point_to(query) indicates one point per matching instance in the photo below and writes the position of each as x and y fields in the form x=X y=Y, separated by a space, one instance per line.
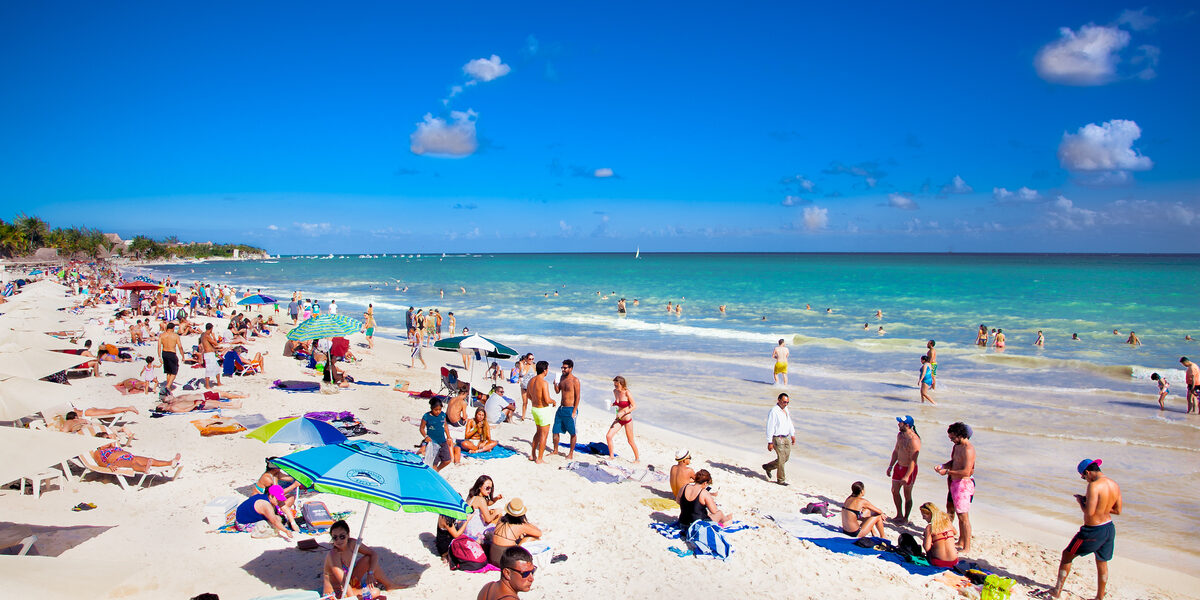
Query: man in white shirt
x=498 y=408
x=781 y=434
x=333 y=307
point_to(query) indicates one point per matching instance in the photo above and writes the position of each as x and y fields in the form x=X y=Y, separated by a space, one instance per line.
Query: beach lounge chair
x=446 y=385
x=90 y=465
x=18 y=536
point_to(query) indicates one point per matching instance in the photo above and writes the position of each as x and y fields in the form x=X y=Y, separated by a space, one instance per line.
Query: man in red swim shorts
x=903 y=466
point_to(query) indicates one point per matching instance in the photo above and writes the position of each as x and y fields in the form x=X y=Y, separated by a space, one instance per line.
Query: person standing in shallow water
x=925 y=380
x=780 y=354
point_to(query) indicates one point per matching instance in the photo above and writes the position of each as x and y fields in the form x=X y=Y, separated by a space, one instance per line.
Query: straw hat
x=515 y=508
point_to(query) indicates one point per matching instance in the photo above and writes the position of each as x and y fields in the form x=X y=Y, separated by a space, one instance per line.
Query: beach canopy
x=138 y=286
x=325 y=326
x=36 y=272
x=491 y=347
x=27 y=451
x=298 y=430
x=31 y=339
x=20 y=397
x=17 y=361
x=256 y=299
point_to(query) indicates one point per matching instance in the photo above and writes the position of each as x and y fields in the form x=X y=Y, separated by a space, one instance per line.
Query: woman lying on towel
x=204 y=401
x=939 y=537
x=859 y=517
x=696 y=503
x=479 y=434
x=366 y=567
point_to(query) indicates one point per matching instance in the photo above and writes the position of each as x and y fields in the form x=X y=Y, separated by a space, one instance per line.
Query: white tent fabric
x=21 y=397
x=27 y=451
x=17 y=361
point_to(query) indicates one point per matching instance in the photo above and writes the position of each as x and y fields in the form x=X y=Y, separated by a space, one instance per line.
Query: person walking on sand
x=780 y=354
x=932 y=354
x=1164 y=388
x=568 y=409
x=925 y=380
x=1191 y=383
x=1098 y=534
x=781 y=434
x=417 y=352
x=369 y=324
x=543 y=411
x=902 y=467
x=169 y=350
x=960 y=471
x=623 y=402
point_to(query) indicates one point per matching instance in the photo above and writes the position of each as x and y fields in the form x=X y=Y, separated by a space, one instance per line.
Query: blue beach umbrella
x=377 y=474
x=298 y=430
x=325 y=326
x=36 y=272
x=256 y=299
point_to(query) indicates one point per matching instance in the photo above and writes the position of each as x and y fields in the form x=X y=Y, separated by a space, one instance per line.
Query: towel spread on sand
x=293 y=386
x=828 y=535
x=594 y=473
x=660 y=503
x=154 y=414
x=307 y=530
x=251 y=421
x=672 y=531
x=497 y=452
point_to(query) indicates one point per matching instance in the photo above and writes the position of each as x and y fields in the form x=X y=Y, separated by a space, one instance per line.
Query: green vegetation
x=25 y=234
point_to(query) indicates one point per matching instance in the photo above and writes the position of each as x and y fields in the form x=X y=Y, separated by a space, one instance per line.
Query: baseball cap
x=276 y=492
x=1087 y=462
x=682 y=454
x=907 y=420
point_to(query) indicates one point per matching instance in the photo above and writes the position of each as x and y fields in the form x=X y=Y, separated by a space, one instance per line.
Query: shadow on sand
x=292 y=569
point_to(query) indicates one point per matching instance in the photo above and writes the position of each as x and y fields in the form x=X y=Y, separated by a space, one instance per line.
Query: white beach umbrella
x=32 y=340
x=27 y=451
x=20 y=397
x=16 y=361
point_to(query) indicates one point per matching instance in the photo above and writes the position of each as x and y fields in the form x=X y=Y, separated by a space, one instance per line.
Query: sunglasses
x=341 y=536
x=525 y=574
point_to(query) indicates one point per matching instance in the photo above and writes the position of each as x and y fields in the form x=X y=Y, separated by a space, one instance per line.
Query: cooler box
x=316 y=514
x=222 y=510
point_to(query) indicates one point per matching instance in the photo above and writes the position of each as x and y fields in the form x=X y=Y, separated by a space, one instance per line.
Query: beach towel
x=593 y=473
x=210 y=427
x=293 y=386
x=154 y=414
x=828 y=535
x=708 y=539
x=330 y=416
x=497 y=452
x=593 y=448
x=660 y=503
x=671 y=530
x=305 y=529
x=251 y=421
x=370 y=383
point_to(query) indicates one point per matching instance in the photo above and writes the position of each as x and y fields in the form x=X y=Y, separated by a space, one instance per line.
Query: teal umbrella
x=491 y=347
x=256 y=299
x=378 y=474
x=325 y=326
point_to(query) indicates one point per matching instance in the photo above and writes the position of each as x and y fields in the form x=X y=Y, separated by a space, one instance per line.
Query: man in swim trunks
x=932 y=354
x=960 y=471
x=1098 y=534
x=203 y=401
x=169 y=350
x=780 y=354
x=543 y=411
x=568 y=409
x=209 y=347
x=902 y=467
x=1191 y=383
x=621 y=306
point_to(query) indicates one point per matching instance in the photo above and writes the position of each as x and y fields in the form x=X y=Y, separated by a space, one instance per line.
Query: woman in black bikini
x=512 y=531
x=696 y=503
x=859 y=517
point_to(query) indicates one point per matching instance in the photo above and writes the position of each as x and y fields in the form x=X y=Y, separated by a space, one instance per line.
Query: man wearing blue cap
x=902 y=467
x=1098 y=534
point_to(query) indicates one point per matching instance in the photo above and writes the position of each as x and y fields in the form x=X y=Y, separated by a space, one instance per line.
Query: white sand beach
x=155 y=543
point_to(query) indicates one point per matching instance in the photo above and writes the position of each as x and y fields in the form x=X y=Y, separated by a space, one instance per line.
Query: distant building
x=115 y=240
x=236 y=252
x=46 y=254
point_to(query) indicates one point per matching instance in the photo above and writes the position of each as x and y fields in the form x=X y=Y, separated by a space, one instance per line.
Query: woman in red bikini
x=623 y=402
x=939 y=537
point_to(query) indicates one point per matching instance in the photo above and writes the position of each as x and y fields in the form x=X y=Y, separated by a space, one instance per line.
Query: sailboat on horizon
x=638 y=253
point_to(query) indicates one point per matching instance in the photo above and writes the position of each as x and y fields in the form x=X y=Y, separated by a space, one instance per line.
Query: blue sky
x=389 y=127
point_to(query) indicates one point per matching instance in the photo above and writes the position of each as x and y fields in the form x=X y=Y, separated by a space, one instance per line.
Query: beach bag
x=909 y=546
x=317 y=515
x=466 y=554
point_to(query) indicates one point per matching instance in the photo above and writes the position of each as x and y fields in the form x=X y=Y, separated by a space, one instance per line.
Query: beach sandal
x=1041 y=593
x=558 y=558
x=83 y=506
x=680 y=553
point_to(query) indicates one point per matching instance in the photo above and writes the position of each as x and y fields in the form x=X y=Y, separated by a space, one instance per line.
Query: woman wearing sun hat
x=513 y=530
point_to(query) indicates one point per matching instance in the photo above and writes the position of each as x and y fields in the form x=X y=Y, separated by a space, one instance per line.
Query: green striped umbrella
x=491 y=347
x=325 y=326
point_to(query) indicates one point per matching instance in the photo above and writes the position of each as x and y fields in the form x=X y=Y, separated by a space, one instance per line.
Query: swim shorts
x=542 y=415
x=933 y=369
x=901 y=474
x=563 y=421
x=211 y=367
x=962 y=492
x=437 y=453
x=1100 y=539
x=170 y=363
x=780 y=367
x=370 y=331
x=212 y=396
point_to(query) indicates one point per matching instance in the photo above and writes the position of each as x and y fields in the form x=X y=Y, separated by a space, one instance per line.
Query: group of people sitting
x=693 y=490
x=493 y=530
x=446 y=432
x=860 y=518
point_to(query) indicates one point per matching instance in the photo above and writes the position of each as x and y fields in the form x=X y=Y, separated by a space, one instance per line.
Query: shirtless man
x=960 y=471
x=780 y=354
x=516 y=576
x=621 y=306
x=169 y=350
x=932 y=354
x=1133 y=340
x=209 y=348
x=568 y=409
x=202 y=401
x=682 y=473
x=543 y=411
x=1098 y=534
x=902 y=467
x=1191 y=383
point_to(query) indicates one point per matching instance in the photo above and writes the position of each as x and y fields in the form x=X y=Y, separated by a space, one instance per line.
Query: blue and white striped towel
x=672 y=531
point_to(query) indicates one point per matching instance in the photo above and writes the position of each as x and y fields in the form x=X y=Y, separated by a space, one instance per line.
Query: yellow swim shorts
x=543 y=416
x=780 y=367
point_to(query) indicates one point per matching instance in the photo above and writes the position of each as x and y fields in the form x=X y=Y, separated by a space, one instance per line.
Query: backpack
x=909 y=546
x=466 y=554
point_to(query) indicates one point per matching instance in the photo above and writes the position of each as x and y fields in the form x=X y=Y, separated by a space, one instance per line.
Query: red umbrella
x=138 y=285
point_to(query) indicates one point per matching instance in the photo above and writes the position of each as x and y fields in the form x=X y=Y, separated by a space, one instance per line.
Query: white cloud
x=801 y=182
x=1104 y=151
x=564 y=227
x=472 y=234
x=1065 y=215
x=602 y=172
x=902 y=202
x=273 y=227
x=1022 y=194
x=794 y=201
x=816 y=218
x=1001 y=194
x=957 y=186
x=1086 y=57
x=312 y=228
x=1137 y=20
x=1147 y=59
x=437 y=137
x=486 y=69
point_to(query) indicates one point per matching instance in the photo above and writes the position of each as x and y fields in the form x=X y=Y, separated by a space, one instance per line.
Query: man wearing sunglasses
x=516 y=576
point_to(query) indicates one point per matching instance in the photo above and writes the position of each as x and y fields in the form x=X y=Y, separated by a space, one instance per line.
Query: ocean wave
x=1120 y=372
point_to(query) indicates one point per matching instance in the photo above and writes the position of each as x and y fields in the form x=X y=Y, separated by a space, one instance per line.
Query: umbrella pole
x=357 y=545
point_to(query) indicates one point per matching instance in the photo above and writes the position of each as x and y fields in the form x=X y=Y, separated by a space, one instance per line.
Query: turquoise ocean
x=1035 y=411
